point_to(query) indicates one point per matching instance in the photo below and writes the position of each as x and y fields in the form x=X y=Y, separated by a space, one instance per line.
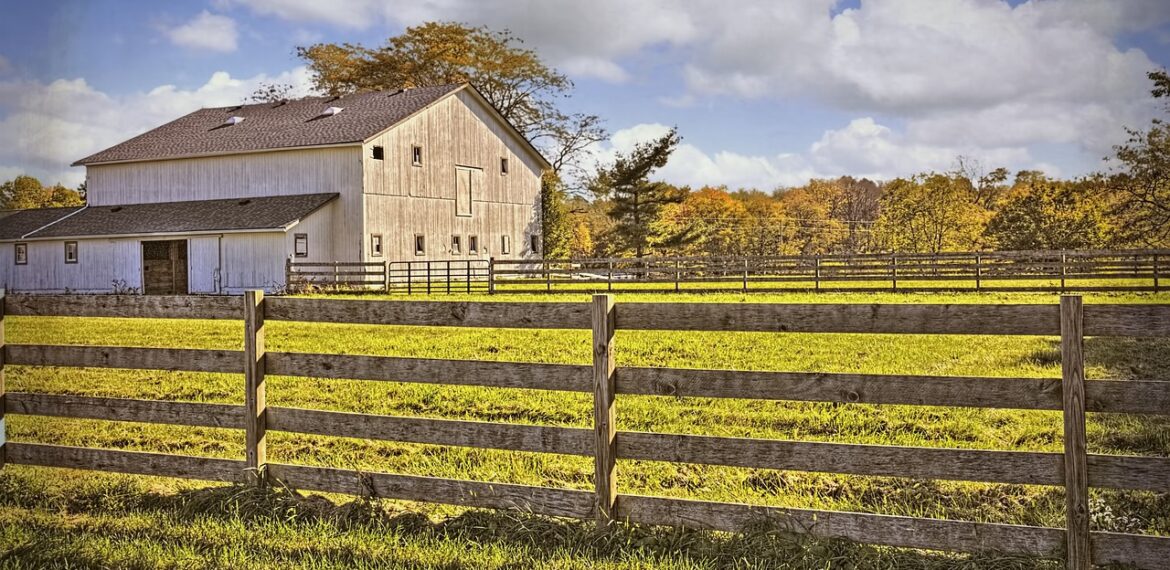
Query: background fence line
x=1074 y=469
x=996 y=271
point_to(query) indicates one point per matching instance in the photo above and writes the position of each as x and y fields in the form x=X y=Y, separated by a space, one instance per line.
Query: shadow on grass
x=536 y=539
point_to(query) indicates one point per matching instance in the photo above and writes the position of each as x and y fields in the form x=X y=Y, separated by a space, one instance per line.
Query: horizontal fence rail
x=1150 y=396
x=995 y=271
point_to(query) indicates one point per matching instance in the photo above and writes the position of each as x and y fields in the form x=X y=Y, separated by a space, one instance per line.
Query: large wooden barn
x=217 y=201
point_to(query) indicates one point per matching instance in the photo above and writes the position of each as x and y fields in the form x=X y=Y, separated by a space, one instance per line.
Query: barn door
x=466 y=180
x=164 y=267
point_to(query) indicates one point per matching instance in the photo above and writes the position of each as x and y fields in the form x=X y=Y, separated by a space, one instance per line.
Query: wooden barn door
x=164 y=267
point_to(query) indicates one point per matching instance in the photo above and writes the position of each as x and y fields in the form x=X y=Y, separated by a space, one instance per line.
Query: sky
x=765 y=93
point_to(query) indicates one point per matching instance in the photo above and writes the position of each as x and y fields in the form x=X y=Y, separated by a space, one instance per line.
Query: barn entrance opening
x=164 y=267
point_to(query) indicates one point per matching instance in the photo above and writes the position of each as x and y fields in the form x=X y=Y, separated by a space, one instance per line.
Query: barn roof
x=274 y=213
x=267 y=126
x=17 y=223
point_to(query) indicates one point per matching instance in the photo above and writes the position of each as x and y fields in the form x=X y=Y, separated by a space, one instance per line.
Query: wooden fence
x=994 y=271
x=988 y=271
x=1075 y=469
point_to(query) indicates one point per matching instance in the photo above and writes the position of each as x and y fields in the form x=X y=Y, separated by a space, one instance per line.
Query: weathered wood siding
x=216 y=263
x=99 y=263
x=282 y=173
x=402 y=199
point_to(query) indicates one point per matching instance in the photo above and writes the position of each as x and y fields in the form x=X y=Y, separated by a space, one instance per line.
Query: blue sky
x=766 y=93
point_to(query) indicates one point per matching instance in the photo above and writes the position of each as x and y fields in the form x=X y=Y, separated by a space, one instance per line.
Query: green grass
x=116 y=521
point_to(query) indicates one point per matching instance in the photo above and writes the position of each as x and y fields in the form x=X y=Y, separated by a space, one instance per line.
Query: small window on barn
x=416 y=155
x=456 y=245
x=503 y=167
x=70 y=252
x=376 y=245
x=473 y=245
x=534 y=243
x=377 y=153
x=20 y=256
x=505 y=245
x=420 y=244
x=301 y=245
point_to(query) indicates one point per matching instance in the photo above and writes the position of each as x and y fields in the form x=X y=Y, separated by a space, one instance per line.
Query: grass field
x=71 y=519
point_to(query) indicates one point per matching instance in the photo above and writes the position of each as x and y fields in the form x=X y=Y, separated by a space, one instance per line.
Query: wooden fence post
x=547 y=277
x=978 y=270
x=3 y=403
x=491 y=276
x=1075 y=454
x=609 y=277
x=288 y=273
x=894 y=270
x=605 y=464
x=745 y=275
x=677 y=275
x=1063 y=269
x=255 y=406
x=1156 y=273
x=386 y=276
x=817 y=272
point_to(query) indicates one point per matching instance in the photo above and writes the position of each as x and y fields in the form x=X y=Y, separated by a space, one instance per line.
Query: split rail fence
x=1074 y=469
x=989 y=271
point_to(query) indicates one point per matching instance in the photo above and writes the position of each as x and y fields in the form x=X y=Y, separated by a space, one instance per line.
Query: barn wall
x=203 y=264
x=402 y=199
x=308 y=171
x=100 y=262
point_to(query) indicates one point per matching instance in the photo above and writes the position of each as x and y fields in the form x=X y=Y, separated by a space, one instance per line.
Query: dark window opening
x=473 y=245
x=420 y=244
x=534 y=243
x=416 y=155
x=377 y=153
x=503 y=166
x=376 y=245
x=70 y=252
x=456 y=245
x=20 y=256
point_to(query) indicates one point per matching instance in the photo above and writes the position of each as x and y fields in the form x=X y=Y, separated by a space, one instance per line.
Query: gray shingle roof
x=14 y=224
x=235 y=214
x=294 y=123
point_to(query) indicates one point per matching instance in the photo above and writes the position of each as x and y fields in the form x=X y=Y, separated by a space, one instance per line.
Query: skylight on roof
x=233 y=120
x=331 y=111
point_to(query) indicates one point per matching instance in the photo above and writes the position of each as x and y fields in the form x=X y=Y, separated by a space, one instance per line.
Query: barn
x=216 y=201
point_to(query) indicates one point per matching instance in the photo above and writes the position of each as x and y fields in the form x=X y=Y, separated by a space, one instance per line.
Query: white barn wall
x=306 y=171
x=99 y=263
x=402 y=199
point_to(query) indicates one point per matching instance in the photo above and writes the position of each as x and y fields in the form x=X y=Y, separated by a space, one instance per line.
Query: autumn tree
x=511 y=77
x=930 y=213
x=1046 y=214
x=713 y=217
x=555 y=222
x=271 y=93
x=25 y=192
x=635 y=201
x=1143 y=182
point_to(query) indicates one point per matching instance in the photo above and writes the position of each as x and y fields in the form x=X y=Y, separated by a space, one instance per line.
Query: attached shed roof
x=275 y=213
x=267 y=126
x=15 y=224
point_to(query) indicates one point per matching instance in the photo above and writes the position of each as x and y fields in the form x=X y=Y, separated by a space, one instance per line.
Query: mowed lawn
x=70 y=519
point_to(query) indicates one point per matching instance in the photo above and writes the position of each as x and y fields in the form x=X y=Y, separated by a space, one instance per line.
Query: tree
x=1143 y=184
x=25 y=192
x=931 y=213
x=510 y=77
x=636 y=202
x=712 y=217
x=582 y=244
x=556 y=224
x=271 y=93
x=1051 y=214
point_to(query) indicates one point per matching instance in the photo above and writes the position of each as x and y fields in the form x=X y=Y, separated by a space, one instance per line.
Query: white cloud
x=48 y=126
x=862 y=148
x=206 y=31
x=5 y=65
